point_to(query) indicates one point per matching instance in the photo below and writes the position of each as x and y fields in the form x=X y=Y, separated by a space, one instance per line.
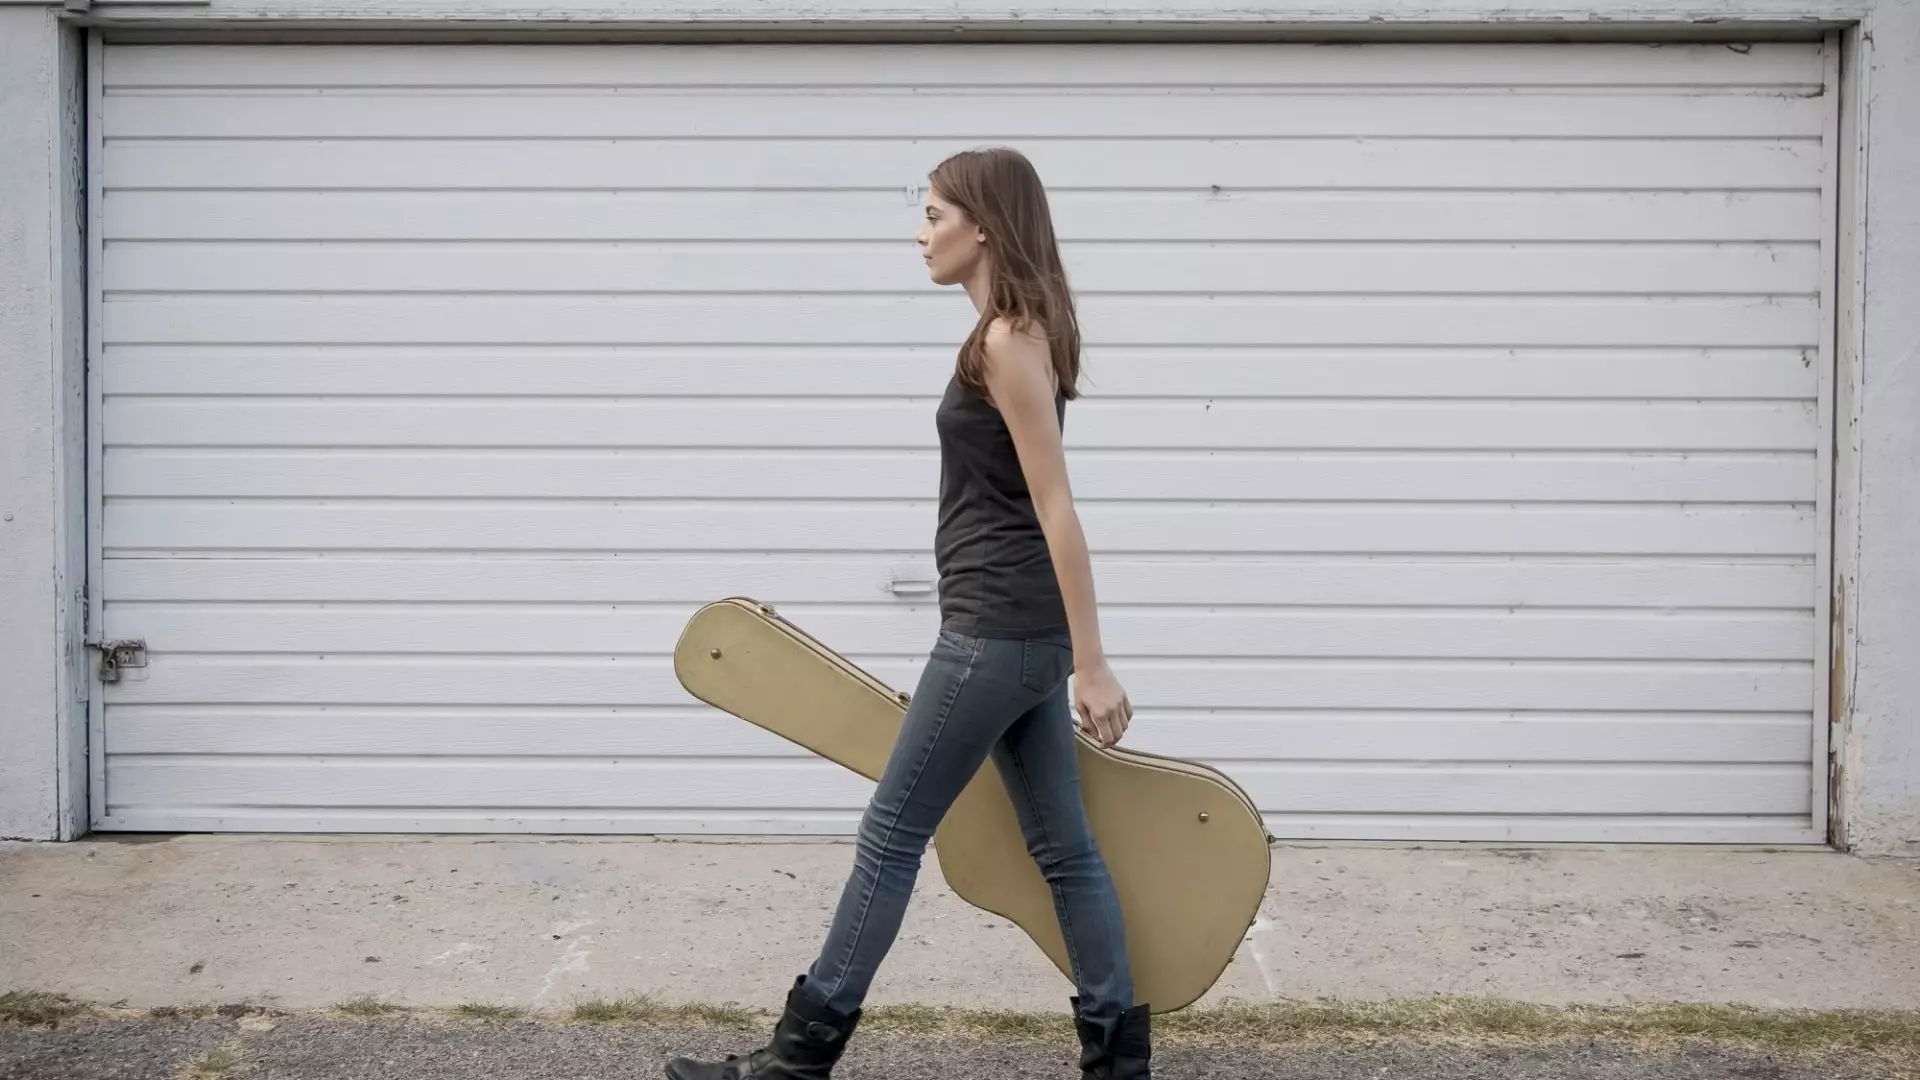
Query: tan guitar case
x=1187 y=849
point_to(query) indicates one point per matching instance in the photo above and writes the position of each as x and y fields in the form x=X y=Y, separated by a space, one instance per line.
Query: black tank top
x=996 y=572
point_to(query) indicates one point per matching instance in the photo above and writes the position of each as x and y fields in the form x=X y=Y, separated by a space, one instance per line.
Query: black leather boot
x=1124 y=1055
x=806 y=1044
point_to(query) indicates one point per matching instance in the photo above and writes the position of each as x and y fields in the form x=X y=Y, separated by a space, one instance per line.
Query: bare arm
x=1020 y=381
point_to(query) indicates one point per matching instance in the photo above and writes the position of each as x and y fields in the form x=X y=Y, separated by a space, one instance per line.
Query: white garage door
x=1451 y=456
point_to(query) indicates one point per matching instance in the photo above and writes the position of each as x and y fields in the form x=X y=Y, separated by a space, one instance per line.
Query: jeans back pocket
x=1045 y=663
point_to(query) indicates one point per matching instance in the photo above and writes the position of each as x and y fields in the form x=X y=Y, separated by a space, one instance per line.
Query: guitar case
x=1187 y=849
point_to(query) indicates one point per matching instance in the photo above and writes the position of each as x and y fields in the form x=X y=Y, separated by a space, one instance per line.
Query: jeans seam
x=1040 y=822
x=906 y=796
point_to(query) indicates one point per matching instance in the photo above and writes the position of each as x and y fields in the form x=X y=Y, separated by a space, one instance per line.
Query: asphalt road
x=310 y=1047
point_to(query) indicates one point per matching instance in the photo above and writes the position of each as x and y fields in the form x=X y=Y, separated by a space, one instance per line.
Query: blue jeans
x=1004 y=697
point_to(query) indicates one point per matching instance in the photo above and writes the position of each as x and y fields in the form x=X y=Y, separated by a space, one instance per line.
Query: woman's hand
x=1102 y=704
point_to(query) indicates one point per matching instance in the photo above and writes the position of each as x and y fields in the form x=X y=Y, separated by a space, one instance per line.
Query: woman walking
x=1017 y=616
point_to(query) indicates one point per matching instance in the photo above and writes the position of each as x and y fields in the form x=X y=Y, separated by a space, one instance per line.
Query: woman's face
x=952 y=245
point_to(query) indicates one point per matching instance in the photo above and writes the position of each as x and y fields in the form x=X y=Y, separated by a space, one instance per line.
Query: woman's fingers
x=1107 y=724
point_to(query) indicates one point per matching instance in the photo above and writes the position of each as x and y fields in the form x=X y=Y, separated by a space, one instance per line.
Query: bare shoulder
x=1003 y=330
x=1023 y=345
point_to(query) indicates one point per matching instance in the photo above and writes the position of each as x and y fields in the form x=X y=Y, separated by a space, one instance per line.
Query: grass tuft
x=183 y=1012
x=991 y=1024
x=644 y=1010
x=632 y=1010
x=366 y=1008
x=32 y=1008
x=491 y=1013
x=727 y=1015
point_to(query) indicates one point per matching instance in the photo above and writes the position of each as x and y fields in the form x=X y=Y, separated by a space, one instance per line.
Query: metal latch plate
x=115 y=655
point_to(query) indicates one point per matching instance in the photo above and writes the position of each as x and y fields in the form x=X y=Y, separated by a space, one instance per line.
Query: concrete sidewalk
x=301 y=922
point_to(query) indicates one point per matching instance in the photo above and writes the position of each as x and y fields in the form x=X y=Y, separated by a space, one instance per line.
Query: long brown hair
x=999 y=191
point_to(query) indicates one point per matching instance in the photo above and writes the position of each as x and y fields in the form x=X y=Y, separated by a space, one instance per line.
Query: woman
x=1017 y=616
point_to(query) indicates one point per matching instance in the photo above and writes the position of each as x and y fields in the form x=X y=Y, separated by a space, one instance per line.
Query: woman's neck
x=979 y=286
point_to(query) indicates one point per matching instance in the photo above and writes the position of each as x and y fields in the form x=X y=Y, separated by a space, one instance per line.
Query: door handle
x=910 y=587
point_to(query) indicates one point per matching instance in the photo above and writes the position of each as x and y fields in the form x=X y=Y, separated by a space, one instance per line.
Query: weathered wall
x=1877 y=545
x=42 y=455
x=1878 y=538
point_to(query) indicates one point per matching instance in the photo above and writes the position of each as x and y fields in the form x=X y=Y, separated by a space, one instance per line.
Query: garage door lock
x=114 y=655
